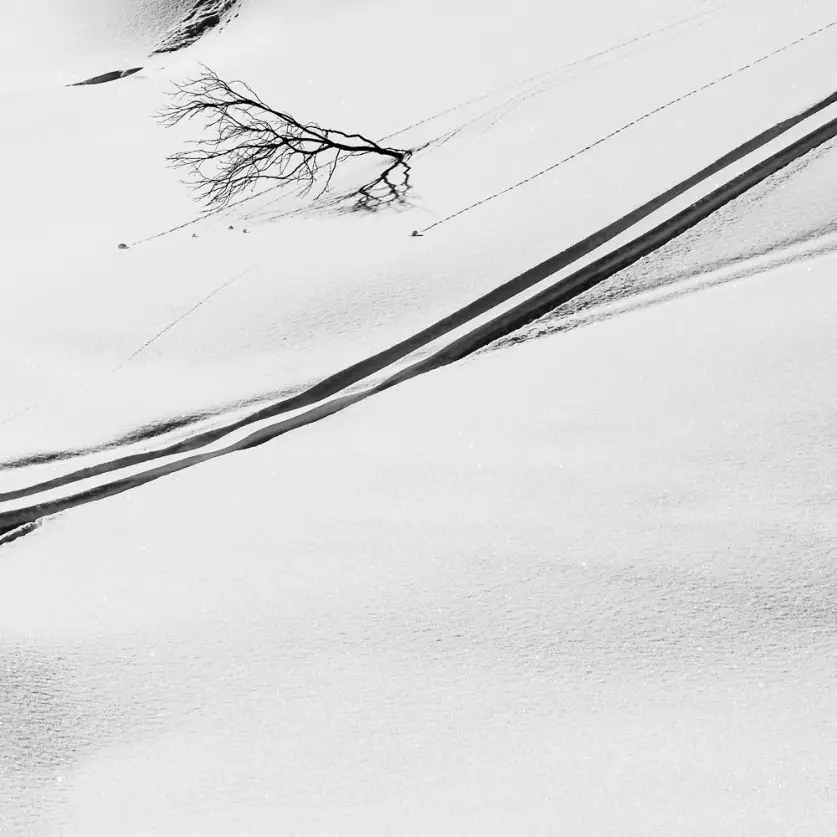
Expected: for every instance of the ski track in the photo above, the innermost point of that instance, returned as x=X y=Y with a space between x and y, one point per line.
x=331 y=395
x=484 y=304
x=624 y=299
x=502 y=293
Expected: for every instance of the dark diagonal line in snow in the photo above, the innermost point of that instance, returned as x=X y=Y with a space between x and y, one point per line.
x=214 y=292
x=513 y=319
x=521 y=315
x=547 y=82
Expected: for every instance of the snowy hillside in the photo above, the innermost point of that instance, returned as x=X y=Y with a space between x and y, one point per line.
x=522 y=524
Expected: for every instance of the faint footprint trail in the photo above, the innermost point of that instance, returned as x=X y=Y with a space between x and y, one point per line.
x=626 y=126
x=530 y=81
x=122 y=364
x=499 y=326
x=338 y=390
x=545 y=74
x=502 y=323
x=550 y=79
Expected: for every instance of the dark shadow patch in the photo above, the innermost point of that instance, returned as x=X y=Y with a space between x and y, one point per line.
x=202 y=17
x=157 y=428
x=139 y=434
x=12 y=533
x=113 y=75
x=145 y=432
x=34 y=459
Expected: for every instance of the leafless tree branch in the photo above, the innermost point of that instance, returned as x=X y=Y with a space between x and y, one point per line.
x=246 y=142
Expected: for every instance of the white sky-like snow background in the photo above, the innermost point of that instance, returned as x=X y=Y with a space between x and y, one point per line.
x=585 y=585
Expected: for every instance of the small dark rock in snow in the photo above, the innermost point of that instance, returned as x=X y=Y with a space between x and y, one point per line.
x=123 y=246
x=230 y=227
x=245 y=230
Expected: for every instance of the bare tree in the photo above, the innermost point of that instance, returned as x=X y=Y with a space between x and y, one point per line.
x=247 y=142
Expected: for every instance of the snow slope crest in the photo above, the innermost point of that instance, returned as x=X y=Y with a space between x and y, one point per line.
x=44 y=42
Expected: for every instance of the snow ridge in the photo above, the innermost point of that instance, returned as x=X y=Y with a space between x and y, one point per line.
x=339 y=391
x=201 y=18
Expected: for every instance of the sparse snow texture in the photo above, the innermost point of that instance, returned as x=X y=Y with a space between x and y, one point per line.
x=790 y=217
x=582 y=585
x=585 y=584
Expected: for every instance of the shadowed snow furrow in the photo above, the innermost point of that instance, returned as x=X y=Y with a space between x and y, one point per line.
x=376 y=363
x=497 y=327
x=623 y=257
x=148 y=432
x=12 y=533
x=203 y=16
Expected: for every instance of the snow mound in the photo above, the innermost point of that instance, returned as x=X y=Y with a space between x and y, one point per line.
x=43 y=42
x=201 y=18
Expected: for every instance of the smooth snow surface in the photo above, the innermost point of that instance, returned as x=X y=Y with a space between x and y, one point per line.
x=583 y=585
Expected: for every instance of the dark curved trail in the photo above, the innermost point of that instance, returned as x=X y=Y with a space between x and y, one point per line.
x=511 y=320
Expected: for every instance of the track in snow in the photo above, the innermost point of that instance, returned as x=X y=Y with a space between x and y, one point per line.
x=340 y=390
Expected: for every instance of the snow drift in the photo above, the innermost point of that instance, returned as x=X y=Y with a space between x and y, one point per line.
x=580 y=584
x=43 y=41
